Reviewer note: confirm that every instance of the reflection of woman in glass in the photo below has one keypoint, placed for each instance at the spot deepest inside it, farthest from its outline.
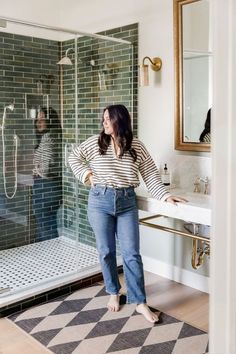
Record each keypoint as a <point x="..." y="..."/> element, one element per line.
<point x="46" y="174"/>
<point x="205" y="136"/>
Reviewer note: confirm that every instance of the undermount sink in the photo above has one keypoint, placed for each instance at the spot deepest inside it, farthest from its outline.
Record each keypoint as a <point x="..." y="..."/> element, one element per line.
<point x="197" y="209"/>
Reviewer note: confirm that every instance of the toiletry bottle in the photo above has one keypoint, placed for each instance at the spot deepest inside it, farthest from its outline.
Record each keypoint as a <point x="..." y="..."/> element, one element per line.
<point x="166" y="176"/>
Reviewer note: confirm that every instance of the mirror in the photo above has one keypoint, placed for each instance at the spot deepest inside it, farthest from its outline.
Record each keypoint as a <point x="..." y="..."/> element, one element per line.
<point x="193" y="75"/>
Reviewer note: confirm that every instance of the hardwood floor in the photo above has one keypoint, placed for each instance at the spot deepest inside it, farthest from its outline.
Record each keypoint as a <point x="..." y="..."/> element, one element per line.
<point x="177" y="300"/>
<point x="13" y="340"/>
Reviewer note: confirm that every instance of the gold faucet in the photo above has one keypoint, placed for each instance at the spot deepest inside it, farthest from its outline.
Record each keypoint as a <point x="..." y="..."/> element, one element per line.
<point x="197" y="185"/>
<point x="206" y="184"/>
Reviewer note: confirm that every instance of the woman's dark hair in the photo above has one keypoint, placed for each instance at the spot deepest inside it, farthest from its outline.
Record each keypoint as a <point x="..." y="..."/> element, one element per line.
<point x="52" y="124"/>
<point x="121" y="123"/>
<point x="207" y="127"/>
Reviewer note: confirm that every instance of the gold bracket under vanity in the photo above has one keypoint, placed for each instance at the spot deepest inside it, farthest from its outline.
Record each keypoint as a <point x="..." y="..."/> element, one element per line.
<point x="200" y="244"/>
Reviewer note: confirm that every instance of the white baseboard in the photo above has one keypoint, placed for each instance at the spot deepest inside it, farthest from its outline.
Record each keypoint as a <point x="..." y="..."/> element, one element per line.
<point x="183" y="276"/>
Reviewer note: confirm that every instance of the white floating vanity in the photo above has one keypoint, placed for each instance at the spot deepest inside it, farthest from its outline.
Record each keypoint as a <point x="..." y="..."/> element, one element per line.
<point x="189" y="219"/>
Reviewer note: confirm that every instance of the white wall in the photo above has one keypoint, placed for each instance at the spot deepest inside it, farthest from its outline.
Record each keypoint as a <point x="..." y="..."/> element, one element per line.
<point x="156" y="102"/>
<point x="42" y="12"/>
<point x="223" y="261"/>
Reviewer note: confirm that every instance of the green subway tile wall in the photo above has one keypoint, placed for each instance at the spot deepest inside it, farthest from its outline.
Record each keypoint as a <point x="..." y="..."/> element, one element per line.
<point x="27" y="67"/>
<point x="107" y="74"/>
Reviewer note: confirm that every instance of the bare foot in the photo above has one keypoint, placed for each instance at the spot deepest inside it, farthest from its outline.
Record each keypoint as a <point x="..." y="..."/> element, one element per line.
<point x="147" y="313"/>
<point x="114" y="303"/>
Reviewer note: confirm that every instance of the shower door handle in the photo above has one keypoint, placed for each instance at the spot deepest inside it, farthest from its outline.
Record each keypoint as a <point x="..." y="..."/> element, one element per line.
<point x="66" y="154"/>
<point x="67" y="150"/>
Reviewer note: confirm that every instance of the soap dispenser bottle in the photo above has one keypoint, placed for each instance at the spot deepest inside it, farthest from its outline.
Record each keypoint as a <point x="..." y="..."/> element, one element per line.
<point x="166" y="176"/>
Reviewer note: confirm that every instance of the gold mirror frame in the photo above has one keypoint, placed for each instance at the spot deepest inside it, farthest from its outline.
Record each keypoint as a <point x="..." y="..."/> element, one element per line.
<point x="178" y="57"/>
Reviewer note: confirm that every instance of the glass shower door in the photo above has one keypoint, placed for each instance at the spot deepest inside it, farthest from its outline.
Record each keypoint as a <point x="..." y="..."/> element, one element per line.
<point x="30" y="78"/>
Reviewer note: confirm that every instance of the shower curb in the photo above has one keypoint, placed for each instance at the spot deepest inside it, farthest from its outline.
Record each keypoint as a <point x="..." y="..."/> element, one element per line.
<point x="52" y="294"/>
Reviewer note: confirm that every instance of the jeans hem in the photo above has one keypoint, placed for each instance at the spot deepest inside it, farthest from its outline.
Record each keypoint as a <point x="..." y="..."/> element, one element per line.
<point x="136" y="301"/>
<point x="112" y="292"/>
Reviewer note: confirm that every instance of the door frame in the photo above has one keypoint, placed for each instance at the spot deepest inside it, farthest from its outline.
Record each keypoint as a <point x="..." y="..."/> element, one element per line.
<point x="223" y="259"/>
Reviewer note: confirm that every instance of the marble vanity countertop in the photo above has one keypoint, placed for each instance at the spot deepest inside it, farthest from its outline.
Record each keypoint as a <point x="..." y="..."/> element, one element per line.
<point x="197" y="209"/>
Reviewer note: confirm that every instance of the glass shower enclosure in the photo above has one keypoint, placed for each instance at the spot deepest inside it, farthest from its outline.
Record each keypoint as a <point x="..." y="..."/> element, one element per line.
<point x="45" y="238"/>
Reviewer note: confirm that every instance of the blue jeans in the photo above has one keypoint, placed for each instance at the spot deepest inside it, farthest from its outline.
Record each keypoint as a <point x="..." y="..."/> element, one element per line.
<point x="46" y="200"/>
<point x="113" y="213"/>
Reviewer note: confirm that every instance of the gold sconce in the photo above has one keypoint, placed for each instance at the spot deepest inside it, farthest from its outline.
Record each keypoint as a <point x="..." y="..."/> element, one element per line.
<point x="156" y="64"/>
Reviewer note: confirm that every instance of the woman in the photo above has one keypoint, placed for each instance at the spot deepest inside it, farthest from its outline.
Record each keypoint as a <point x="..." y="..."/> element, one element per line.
<point x="205" y="136"/>
<point x="46" y="174"/>
<point x="110" y="163"/>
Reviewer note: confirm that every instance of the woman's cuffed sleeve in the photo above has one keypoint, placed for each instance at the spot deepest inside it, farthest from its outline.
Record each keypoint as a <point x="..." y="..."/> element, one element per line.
<point x="44" y="156"/>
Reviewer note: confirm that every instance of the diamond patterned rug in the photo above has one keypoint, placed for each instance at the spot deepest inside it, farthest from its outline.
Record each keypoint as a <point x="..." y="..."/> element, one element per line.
<point x="80" y="323"/>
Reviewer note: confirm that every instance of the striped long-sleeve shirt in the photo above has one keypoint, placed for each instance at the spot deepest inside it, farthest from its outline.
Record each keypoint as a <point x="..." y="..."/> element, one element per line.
<point x="113" y="171"/>
<point x="207" y="138"/>
<point x="44" y="157"/>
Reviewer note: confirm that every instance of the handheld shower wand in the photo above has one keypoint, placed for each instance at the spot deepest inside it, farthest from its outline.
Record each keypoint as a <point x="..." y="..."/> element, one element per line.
<point x="11" y="108"/>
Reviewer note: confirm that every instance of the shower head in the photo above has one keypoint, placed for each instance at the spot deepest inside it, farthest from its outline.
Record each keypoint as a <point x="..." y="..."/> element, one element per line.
<point x="65" y="60"/>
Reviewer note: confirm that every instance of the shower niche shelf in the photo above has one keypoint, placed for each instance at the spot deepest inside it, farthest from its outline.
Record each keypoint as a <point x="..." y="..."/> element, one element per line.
<point x="33" y="102"/>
